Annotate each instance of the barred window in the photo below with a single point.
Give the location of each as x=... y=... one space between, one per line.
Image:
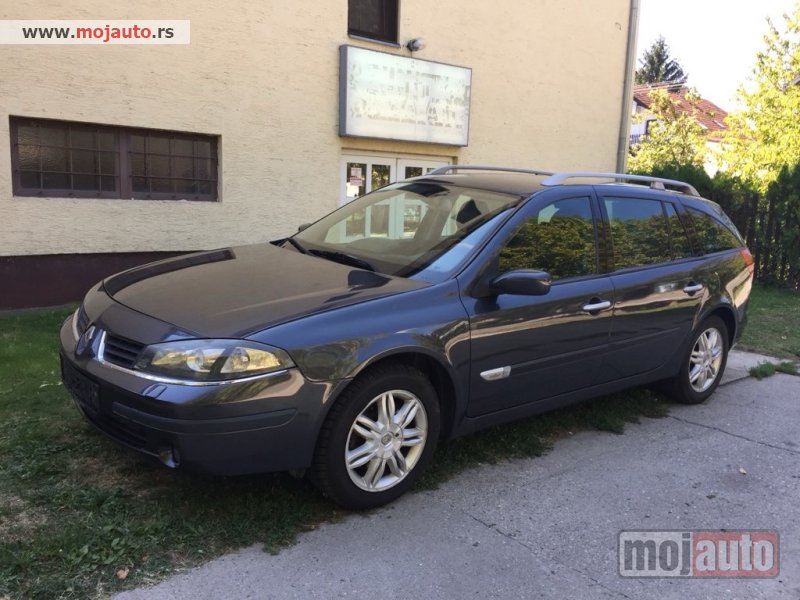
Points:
x=172 y=164
x=80 y=160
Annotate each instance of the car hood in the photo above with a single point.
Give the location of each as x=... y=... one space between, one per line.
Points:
x=237 y=291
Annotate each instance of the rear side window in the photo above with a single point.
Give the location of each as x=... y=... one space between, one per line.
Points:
x=639 y=232
x=713 y=235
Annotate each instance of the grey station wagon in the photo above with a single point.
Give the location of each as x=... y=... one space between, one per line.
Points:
x=428 y=309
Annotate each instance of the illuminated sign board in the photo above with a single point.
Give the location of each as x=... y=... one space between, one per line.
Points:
x=401 y=98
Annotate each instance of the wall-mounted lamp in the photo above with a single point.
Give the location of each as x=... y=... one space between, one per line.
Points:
x=415 y=44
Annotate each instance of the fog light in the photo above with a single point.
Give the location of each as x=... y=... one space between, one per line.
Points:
x=169 y=456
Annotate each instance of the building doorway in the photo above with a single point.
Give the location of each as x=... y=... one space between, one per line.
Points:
x=362 y=173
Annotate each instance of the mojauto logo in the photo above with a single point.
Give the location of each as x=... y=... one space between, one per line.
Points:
x=698 y=553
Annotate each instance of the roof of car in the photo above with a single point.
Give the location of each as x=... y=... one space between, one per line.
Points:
x=524 y=182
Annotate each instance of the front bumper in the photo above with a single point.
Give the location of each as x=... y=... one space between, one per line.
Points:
x=259 y=425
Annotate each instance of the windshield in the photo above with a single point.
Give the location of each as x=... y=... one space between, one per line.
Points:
x=418 y=228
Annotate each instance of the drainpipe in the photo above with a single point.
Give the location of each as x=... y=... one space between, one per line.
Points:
x=627 y=87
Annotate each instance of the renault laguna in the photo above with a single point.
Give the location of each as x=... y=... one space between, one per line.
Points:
x=425 y=310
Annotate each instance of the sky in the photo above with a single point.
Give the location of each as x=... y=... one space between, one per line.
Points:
x=715 y=41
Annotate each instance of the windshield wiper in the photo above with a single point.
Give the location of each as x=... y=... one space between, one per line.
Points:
x=342 y=257
x=298 y=245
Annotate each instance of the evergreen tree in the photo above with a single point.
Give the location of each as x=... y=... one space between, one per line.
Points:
x=656 y=65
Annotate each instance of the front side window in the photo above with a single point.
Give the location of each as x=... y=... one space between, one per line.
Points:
x=374 y=19
x=639 y=232
x=560 y=240
x=83 y=160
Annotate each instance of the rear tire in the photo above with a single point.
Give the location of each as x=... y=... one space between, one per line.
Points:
x=703 y=363
x=378 y=438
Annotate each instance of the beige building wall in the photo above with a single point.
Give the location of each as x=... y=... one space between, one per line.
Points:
x=547 y=86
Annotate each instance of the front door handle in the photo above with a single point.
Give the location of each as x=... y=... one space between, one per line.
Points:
x=692 y=288
x=596 y=304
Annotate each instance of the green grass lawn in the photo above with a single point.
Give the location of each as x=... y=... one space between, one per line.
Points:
x=773 y=323
x=81 y=517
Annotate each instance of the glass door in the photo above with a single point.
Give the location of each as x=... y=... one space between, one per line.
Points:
x=362 y=173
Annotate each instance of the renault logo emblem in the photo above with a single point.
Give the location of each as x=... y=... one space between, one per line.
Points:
x=85 y=341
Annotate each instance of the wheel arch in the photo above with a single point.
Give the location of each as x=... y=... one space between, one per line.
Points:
x=726 y=313
x=441 y=376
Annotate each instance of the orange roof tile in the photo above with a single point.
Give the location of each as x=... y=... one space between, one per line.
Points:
x=708 y=114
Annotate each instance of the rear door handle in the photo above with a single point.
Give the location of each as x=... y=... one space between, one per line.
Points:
x=692 y=287
x=596 y=304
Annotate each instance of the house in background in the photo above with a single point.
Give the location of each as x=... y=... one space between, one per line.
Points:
x=710 y=116
x=278 y=112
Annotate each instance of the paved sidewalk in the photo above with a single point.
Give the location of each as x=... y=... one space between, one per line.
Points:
x=740 y=363
x=547 y=527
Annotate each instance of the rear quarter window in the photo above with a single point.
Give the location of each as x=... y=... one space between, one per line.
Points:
x=712 y=234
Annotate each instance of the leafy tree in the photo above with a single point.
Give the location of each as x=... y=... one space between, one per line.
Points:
x=674 y=138
x=656 y=65
x=764 y=135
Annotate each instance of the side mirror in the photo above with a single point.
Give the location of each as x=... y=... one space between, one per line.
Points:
x=303 y=226
x=522 y=282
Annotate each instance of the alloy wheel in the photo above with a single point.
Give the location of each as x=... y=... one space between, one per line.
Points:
x=705 y=360
x=386 y=440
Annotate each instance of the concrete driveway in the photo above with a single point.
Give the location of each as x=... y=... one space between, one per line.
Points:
x=547 y=527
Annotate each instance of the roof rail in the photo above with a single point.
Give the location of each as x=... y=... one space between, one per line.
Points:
x=657 y=183
x=448 y=168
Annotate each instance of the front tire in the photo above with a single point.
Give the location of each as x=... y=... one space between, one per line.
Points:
x=378 y=438
x=703 y=364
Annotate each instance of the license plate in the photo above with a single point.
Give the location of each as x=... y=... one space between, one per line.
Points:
x=80 y=387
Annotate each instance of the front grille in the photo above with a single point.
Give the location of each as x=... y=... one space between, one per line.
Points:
x=120 y=351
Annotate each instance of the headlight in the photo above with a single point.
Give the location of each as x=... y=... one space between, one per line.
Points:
x=212 y=360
